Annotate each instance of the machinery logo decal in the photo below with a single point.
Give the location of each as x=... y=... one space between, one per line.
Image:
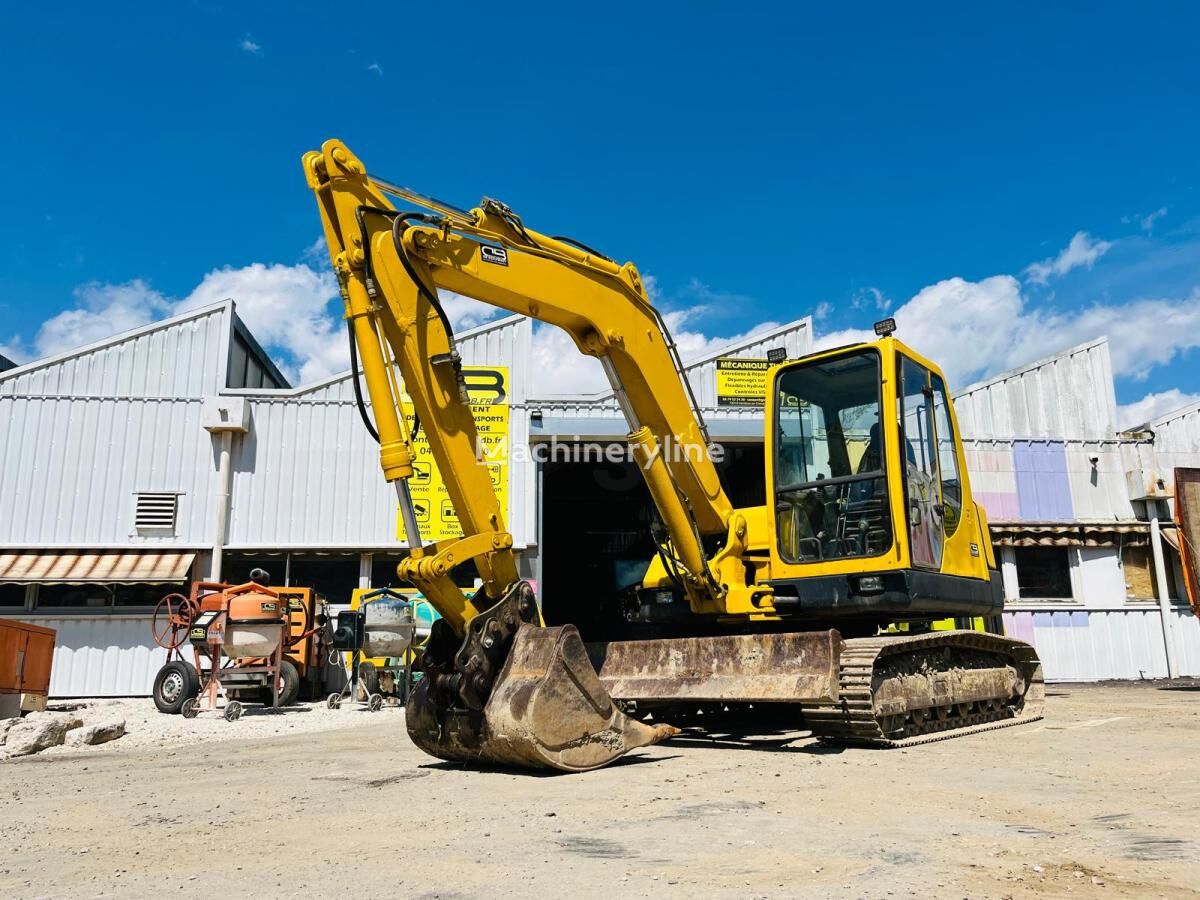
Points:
x=269 y=607
x=487 y=387
x=741 y=382
x=497 y=255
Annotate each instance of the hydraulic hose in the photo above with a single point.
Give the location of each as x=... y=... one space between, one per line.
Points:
x=430 y=294
x=358 y=397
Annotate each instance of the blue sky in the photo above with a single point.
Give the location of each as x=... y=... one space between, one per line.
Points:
x=761 y=162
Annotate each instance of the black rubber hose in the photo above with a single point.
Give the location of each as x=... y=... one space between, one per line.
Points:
x=430 y=294
x=362 y=229
x=582 y=246
x=358 y=397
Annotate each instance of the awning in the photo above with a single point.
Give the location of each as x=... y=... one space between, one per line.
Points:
x=1171 y=536
x=83 y=567
x=1084 y=534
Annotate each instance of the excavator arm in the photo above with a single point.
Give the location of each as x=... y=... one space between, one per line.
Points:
x=391 y=265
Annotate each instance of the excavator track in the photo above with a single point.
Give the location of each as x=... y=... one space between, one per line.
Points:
x=904 y=690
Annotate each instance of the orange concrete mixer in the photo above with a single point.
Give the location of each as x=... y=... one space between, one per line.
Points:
x=242 y=632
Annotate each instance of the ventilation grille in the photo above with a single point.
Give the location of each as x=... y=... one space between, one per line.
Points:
x=155 y=512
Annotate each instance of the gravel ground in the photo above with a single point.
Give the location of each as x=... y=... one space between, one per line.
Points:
x=146 y=727
x=1102 y=799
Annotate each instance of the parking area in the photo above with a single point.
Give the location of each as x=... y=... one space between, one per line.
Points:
x=1102 y=798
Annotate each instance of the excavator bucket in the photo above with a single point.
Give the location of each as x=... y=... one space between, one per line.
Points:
x=547 y=709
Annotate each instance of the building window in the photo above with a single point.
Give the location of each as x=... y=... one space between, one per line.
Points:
x=333 y=574
x=103 y=596
x=1140 y=582
x=1044 y=573
x=12 y=596
x=1139 y=573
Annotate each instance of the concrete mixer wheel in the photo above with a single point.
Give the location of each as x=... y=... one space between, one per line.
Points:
x=334 y=701
x=233 y=711
x=375 y=703
x=175 y=683
x=189 y=708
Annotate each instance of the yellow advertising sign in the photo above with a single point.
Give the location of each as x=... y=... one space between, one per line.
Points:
x=741 y=382
x=488 y=389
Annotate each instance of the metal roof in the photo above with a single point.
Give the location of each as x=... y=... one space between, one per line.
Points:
x=1068 y=395
x=171 y=358
x=1176 y=442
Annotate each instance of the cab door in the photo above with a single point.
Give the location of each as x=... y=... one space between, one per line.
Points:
x=922 y=479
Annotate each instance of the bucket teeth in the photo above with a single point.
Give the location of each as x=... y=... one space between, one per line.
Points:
x=547 y=709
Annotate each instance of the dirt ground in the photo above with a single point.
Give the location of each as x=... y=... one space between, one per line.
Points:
x=1100 y=799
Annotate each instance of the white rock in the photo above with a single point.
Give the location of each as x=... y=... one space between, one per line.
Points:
x=5 y=725
x=34 y=734
x=99 y=734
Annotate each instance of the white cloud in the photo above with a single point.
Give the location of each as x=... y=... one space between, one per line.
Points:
x=822 y=311
x=1145 y=333
x=14 y=350
x=376 y=68
x=466 y=312
x=977 y=329
x=871 y=296
x=1147 y=222
x=316 y=254
x=248 y=44
x=287 y=309
x=104 y=310
x=1083 y=250
x=1150 y=407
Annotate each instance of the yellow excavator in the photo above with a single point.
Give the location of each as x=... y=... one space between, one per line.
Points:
x=822 y=598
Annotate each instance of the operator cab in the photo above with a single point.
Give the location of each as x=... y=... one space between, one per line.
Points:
x=872 y=515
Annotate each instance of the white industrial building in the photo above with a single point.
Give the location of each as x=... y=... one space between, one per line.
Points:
x=178 y=452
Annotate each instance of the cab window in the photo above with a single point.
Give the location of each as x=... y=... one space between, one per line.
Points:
x=947 y=457
x=830 y=487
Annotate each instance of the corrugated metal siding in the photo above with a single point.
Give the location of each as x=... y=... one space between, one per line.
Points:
x=1070 y=395
x=308 y=473
x=73 y=464
x=102 y=655
x=1048 y=480
x=179 y=357
x=1176 y=443
x=1093 y=645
